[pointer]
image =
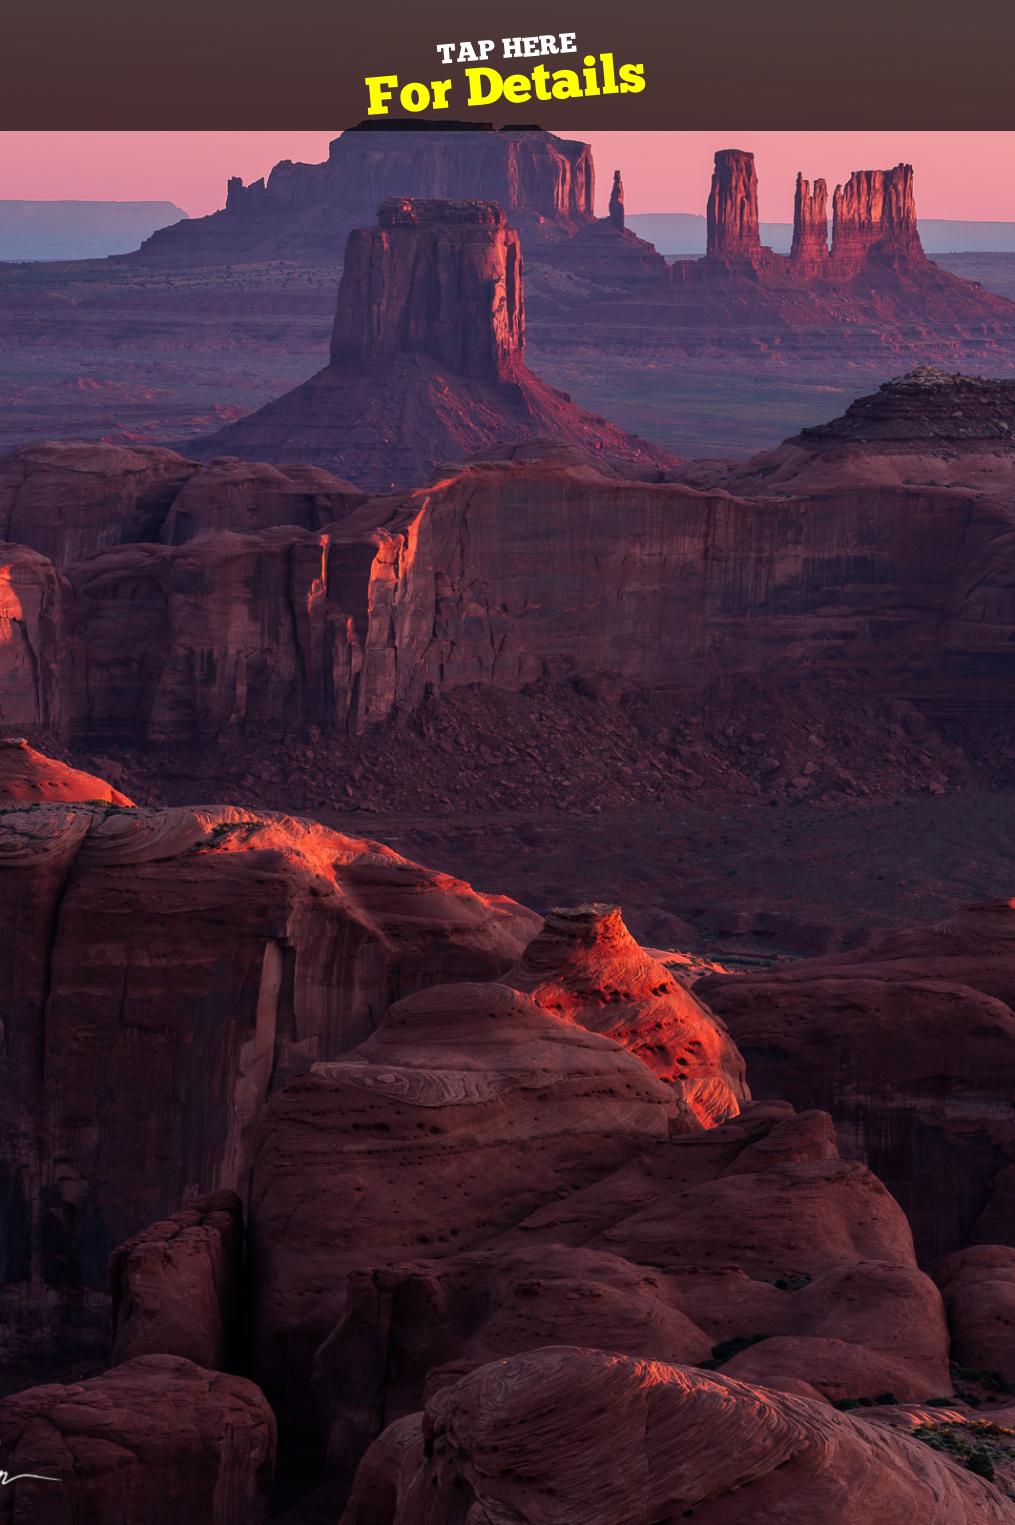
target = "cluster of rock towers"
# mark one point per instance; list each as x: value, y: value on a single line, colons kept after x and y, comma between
x: 873, y: 214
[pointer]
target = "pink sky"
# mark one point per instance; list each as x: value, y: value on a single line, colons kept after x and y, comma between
x: 963, y: 175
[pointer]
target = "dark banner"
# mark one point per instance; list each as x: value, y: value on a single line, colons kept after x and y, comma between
x: 257, y: 64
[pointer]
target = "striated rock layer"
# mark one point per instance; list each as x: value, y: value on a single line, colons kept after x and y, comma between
x: 751, y: 1247
x: 572, y: 1434
x: 876, y: 551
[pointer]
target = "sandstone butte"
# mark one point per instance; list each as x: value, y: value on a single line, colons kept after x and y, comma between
x: 427, y: 360
x: 546, y: 185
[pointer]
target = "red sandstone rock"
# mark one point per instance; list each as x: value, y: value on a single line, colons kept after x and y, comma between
x: 468, y: 1108
x: 246, y: 497
x: 568, y: 1435
x: 909, y: 1043
x: 847, y: 557
x: 156, y: 1440
x: 438, y: 278
x: 160, y: 971
x: 617, y: 200
x: 32, y: 605
x: 874, y: 214
x: 29, y: 777
x: 585, y: 967
x: 751, y: 1234
x: 409, y: 1330
x: 810, y: 227
x: 978, y: 1286
x: 927, y: 428
x: 545, y: 184
x: 732, y: 214
x: 426, y: 359
x: 69, y: 499
x: 177, y: 1285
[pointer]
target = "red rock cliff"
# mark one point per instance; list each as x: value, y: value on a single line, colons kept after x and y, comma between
x: 874, y: 213
x: 733, y: 207
x: 438, y: 278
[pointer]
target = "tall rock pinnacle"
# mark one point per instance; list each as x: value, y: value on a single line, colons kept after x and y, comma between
x: 427, y: 359
x: 437, y: 278
x: 874, y: 213
x: 733, y: 231
x: 810, y: 226
x: 617, y: 201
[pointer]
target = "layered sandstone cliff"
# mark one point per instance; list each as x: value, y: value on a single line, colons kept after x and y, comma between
x: 878, y: 545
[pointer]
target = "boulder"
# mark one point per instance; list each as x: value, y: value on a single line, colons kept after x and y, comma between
x: 568, y: 1434
x: 157, y: 1440
x: 177, y: 1286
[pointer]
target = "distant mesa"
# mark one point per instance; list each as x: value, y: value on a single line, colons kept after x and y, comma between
x: 71, y: 230
x: 427, y: 360
x: 545, y: 184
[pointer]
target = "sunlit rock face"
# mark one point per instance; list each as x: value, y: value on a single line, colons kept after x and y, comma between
x: 577, y: 1434
x: 585, y: 967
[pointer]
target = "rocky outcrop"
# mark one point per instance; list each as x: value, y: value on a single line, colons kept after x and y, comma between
x: 177, y: 1288
x: 157, y: 1439
x: 576, y: 1434
x: 161, y: 973
x: 874, y: 216
x: 469, y: 1108
x: 978, y: 1286
x: 732, y: 212
x: 70, y: 499
x: 29, y: 777
x: 246, y: 497
x: 617, y: 200
x: 410, y: 1330
x: 585, y: 967
x: 767, y: 1256
x: 874, y: 550
x: 809, y: 251
x: 435, y: 278
x: 32, y: 649
x: 427, y: 360
x: 546, y: 185
x: 909, y: 1044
